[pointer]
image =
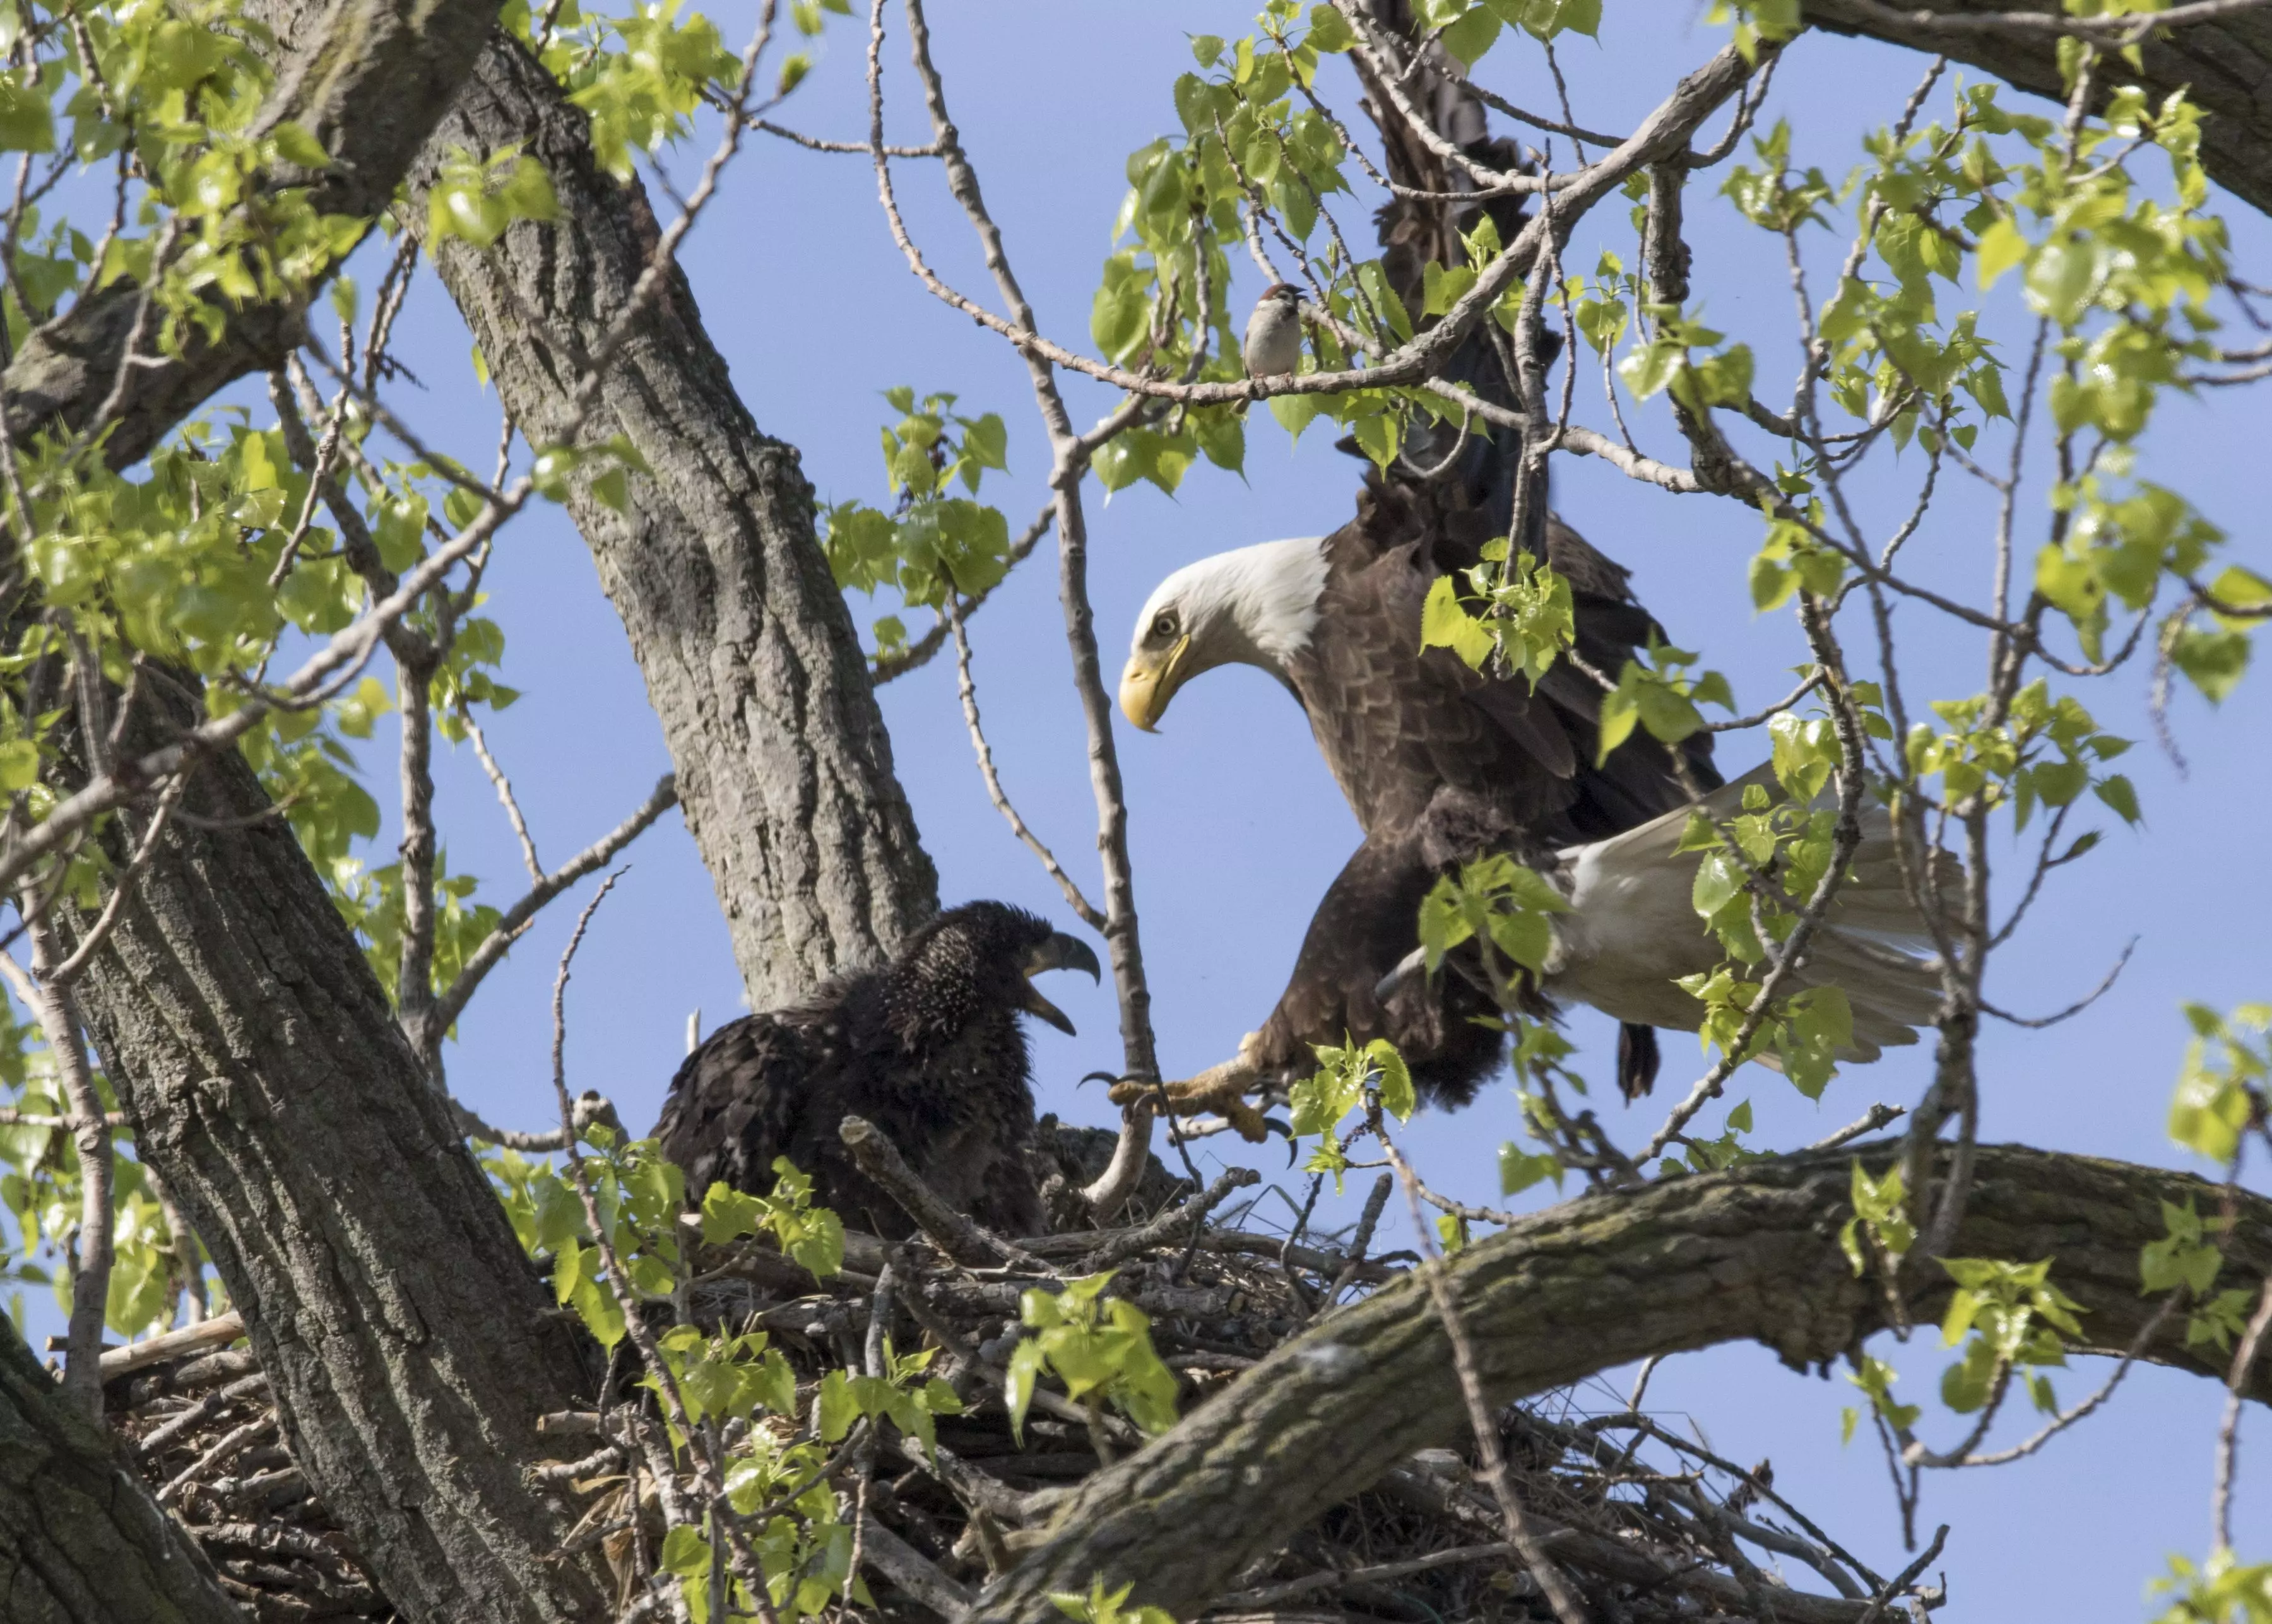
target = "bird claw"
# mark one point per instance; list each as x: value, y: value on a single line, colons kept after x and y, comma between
x: 1220, y: 1089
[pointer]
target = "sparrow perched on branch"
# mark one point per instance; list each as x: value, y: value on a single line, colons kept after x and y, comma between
x: 1273, y: 332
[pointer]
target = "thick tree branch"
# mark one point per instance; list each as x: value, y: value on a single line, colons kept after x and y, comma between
x: 1684, y: 1264
x: 2224, y: 64
x: 81, y: 1539
x: 367, y: 78
x: 410, y: 1348
x: 750, y: 658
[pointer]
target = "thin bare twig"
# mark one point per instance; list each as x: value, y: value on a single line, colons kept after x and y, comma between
x: 1090, y: 914
x: 1559, y: 1594
x: 518, y: 918
x: 2228, y: 1431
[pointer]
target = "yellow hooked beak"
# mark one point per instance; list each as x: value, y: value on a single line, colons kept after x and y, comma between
x: 1150, y: 681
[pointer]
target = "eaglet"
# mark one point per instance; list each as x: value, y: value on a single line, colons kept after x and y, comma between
x: 928, y: 1048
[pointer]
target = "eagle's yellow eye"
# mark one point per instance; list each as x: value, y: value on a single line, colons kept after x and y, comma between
x: 1163, y: 628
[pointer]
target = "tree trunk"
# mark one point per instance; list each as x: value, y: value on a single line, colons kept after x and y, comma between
x: 1749, y: 1254
x: 406, y: 1335
x: 81, y: 1540
x: 368, y: 82
x: 2225, y: 66
x: 750, y: 655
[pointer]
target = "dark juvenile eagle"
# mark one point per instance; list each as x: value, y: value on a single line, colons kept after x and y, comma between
x: 928, y: 1048
x: 1439, y: 763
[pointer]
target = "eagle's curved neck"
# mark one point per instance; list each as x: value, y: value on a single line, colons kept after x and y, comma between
x: 1259, y: 605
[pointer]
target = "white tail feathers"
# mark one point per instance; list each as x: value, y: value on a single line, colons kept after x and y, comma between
x: 1632, y: 931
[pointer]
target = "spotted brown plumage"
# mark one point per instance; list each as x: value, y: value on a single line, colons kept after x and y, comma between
x: 928, y: 1048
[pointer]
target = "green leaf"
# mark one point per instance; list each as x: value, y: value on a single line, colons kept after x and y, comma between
x: 19, y: 764
x: 1445, y: 624
x: 26, y: 124
x: 2001, y: 247
x: 1469, y: 37
x: 728, y: 1214
x: 1718, y: 880
x: 2117, y: 792
x: 1396, y: 1095
x: 1329, y: 30
x: 294, y: 144
x: 685, y: 1552
x: 1294, y: 412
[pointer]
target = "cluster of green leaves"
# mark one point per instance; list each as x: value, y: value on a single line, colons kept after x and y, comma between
x: 2046, y: 751
x: 1662, y: 361
x: 934, y: 543
x: 2017, y: 1322
x: 1793, y: 559
x: 1099, y: 1346
x: 1353, y: 1079
x: 2122, y: 279
x: 41, y: 1191
x: 1182, y: 206
x: 1468, y: 30
x: 1363, y: 299
x: 1103, y: 1606
x: 805, y: 1544
x: 1494, y: 900
x: 176, y: 564
x: 641, y: 75
x: 776, y: 1465
x: 2223, y: 1589
x: 1655, y: 692
x: 1757, y: 871
x: 1516, y: 610
x: 2188, y: 1256
x: 2011, y: 1318
x: 474, y: 200
x: 2226, y: 1083
x: 1726, y: 1150
x: 1507, y: 909
x: 1249, y: 135
x: 1881, y: 1220
x: 185, y: 83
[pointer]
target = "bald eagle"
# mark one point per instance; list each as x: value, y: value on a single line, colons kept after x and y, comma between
x: 1442, y: 765
x: 927, y: 1047
x: 1439, y: 763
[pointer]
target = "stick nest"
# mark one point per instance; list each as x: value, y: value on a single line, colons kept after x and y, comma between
x: 1646, y: 1522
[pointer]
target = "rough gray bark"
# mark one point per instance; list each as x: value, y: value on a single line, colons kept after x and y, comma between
x: 409, y: 1344
x: 2225, y: 66
x: 1750, y: 1255
x: 368, y: 80
x: 750, y: 658
x: 81, y: 1540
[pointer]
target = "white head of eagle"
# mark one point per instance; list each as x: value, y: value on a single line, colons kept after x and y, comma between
x: 1257, y: 606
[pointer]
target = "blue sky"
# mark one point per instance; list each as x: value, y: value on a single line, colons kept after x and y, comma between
x: 1236, y: 825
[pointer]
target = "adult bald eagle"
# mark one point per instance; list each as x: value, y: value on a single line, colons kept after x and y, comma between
x: 928, y: 1048
x: 1439, y: 763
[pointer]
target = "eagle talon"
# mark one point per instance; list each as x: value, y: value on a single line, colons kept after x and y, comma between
x: 1220, y: 1089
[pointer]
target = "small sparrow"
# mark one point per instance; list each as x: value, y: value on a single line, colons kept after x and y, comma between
x: 1273, y: 332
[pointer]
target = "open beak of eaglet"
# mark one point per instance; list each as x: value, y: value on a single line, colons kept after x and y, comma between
x: 1059, y: 951
x: 1150, y: 680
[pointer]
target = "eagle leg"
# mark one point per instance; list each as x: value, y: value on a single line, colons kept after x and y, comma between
x: 1222, y: 1089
